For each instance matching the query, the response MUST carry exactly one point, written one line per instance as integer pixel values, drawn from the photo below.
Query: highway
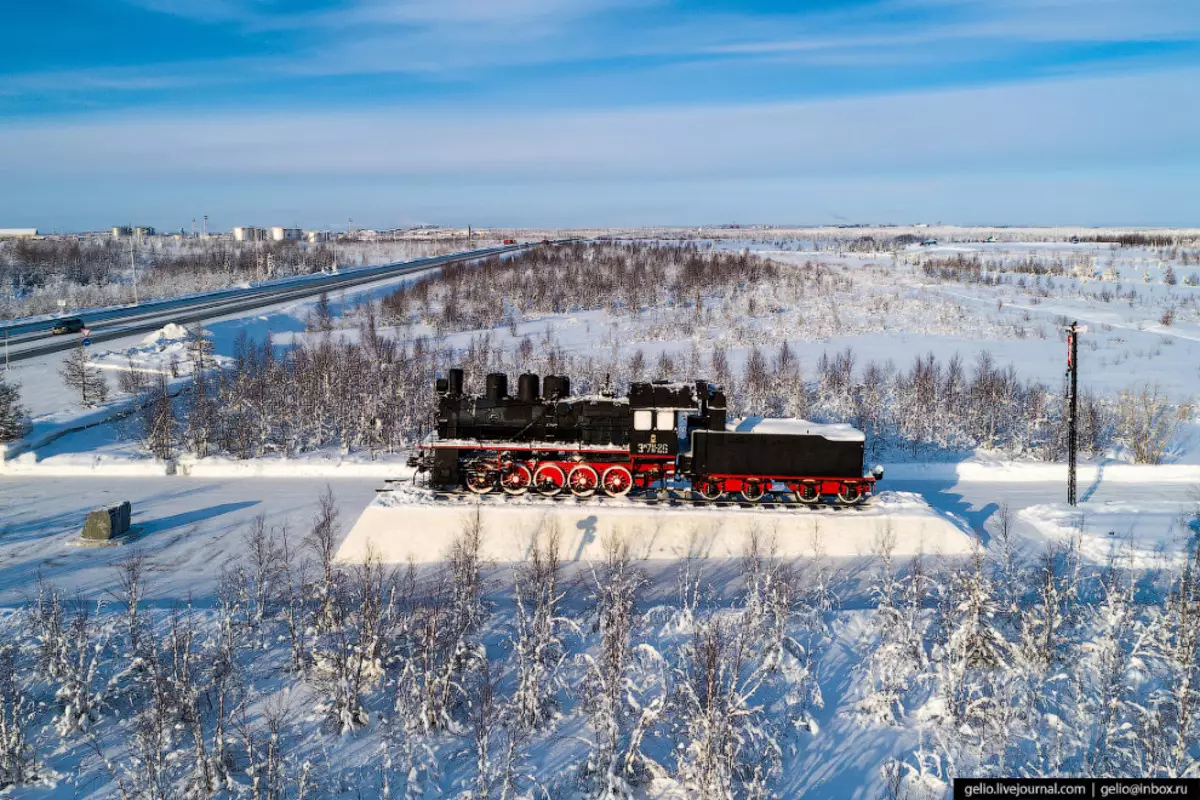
(29, 339)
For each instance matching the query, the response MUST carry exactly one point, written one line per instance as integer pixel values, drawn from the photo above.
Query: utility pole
(1073, 331)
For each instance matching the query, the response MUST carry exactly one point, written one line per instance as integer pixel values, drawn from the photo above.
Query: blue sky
(599, 112)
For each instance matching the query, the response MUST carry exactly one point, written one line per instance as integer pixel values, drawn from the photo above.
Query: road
(30, 339)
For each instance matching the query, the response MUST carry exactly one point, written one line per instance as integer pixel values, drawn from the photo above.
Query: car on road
(72, 325)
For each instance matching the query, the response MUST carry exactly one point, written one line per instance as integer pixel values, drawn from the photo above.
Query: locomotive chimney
(527, 388)
(716, 411)
(455, 382)
(497, 386)
(550, 387)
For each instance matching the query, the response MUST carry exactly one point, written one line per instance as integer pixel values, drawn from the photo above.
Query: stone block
(104, 524)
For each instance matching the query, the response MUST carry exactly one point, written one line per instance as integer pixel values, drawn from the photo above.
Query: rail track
(670, 498)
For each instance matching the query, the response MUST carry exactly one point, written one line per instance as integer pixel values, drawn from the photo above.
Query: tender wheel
(516, 481)
(583, 480)
(709, 490)
(549, 480)
(480, 480)
(616, 481)
(848, 494)
(753, 491)
(808, 493)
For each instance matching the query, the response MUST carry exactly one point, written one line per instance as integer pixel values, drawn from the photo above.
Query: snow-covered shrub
(12, 413)
(622, 688)
(18, 766)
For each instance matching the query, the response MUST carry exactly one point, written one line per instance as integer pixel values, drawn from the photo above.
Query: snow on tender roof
(835, 431)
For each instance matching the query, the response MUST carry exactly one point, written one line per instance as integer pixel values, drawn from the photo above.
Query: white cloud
(1053, 123)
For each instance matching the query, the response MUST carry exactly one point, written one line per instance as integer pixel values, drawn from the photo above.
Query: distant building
(18, 233)
(316, 237)
(279, 234)
(246, 233)
(124, 231)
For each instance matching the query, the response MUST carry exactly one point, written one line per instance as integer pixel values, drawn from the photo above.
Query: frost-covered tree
(12, 413)
(730, 749)
(1171, 728)
(1109, 665)
(1148, 423)
(538, 647)
(976, 649)
(158, 421)
(622, 687)
(18, 765)
(77, 374)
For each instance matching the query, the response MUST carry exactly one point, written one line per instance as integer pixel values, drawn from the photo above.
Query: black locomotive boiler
(549, 441)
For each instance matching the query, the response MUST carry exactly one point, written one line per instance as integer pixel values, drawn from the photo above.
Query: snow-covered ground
(827, 705)
(816, 705)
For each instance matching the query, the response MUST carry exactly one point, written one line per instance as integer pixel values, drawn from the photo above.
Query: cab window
(643, 420)
(666, 421)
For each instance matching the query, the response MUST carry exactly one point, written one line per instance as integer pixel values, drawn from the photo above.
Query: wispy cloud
(1049, 123)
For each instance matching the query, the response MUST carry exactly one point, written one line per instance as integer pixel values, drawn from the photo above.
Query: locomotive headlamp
(877, 471)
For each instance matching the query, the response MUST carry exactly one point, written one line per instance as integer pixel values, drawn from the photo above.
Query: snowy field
(201, 657)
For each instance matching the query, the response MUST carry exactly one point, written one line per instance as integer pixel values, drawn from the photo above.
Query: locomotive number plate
(656, 449)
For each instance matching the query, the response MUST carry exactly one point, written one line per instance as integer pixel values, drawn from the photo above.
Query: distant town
(252, 233)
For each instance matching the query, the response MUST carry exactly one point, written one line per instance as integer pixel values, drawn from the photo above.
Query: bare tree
(1148, 423)
(322, 541)
(79, 375)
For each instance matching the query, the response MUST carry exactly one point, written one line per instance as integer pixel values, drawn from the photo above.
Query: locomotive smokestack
(527, 388)
(716, 411)
(455, 382)
(497, 386)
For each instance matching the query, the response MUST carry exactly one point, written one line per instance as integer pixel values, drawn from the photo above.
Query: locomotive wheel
(848, 494)
(708, 490)
(752, 491)
(583, 480)
(617, 481)
(808, 493)
(480, 480)
(549, 480)
(516, 481)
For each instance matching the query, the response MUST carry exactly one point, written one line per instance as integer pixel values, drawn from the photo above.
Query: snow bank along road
(29, 339)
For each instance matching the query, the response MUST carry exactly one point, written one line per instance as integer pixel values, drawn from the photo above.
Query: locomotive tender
(548, 441)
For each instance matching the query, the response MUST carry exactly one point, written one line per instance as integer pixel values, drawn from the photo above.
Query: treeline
(86, 273)
(1140, 239)
(553, 280)
(35, 274)
(961, 268)
(375, 394)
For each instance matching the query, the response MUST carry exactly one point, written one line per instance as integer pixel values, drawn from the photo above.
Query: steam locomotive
(548, 441)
